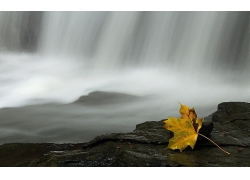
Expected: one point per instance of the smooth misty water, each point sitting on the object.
(196, 58)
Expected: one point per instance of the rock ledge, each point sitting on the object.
(146, 146)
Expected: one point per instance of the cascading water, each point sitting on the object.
(197, 58)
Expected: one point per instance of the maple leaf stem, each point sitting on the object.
(213, 143)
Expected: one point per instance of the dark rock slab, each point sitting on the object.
(24, 154)
(232, 124)
(231, 112)
(146, 146)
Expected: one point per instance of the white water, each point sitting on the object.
(172, 56)
(127, 57)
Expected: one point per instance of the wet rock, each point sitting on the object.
(146, 146)
(232, 124)
(231, 112)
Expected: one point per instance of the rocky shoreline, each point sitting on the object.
(146, 146)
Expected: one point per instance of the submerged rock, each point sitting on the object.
(146, 146)
(101, 97)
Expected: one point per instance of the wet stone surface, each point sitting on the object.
(229, 127)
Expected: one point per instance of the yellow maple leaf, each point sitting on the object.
(185, 129)
(184, 132)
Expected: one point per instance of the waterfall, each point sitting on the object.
(118, 39)
(59, 56)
